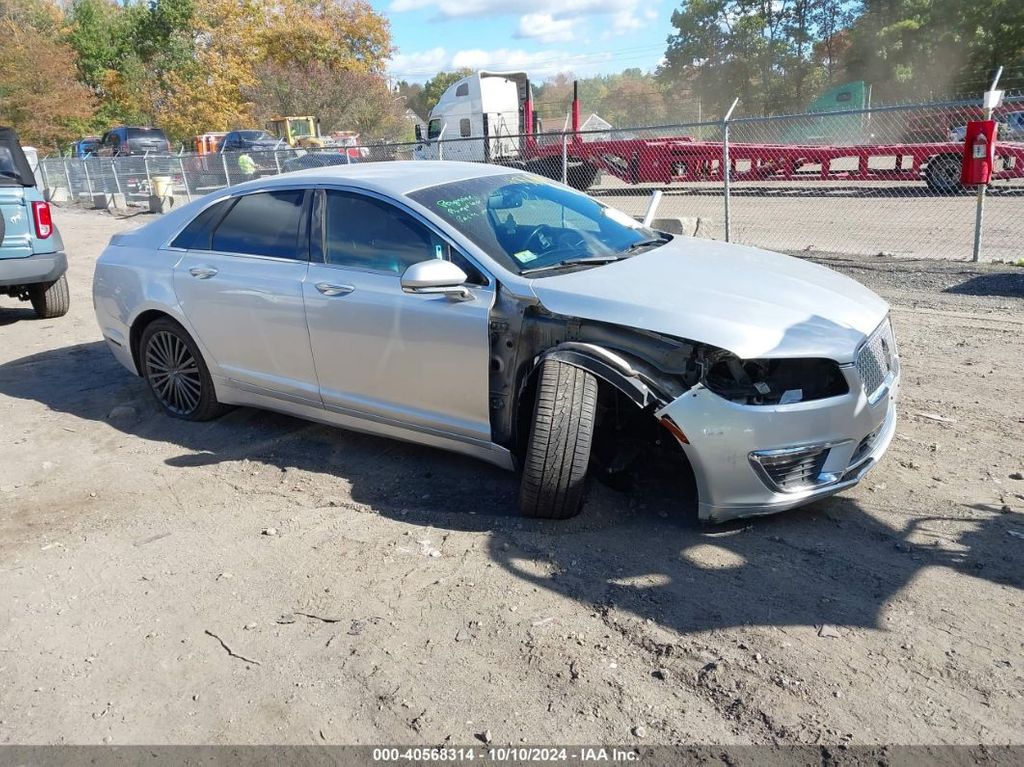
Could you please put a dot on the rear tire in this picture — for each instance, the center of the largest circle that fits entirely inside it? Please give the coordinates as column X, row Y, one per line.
column 561, row 434
column 943, row 175
column 51, row 300
column 177, row 376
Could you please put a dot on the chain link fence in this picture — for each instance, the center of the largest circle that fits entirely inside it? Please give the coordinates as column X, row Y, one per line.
column 866, row 182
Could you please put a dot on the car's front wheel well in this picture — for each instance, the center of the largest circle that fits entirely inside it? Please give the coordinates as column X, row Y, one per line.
column 627, row 433
column 138, row 328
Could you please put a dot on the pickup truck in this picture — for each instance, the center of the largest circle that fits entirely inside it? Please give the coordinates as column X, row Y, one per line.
column 32, row 259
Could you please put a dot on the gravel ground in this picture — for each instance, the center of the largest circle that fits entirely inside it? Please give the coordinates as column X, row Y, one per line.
column 260, row 579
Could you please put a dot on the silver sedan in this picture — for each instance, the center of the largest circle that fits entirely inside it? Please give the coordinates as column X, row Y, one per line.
column 495, row 313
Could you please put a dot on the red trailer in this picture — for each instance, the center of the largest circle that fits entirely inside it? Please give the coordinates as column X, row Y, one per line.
column 683, row 159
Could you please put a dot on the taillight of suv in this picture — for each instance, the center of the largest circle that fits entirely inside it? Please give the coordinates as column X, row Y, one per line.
column 42, row 218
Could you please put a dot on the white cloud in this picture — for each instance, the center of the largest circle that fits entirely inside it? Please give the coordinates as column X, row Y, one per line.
column 426, row 62
column 546, row 28
column 557, row 10
column 423, row 65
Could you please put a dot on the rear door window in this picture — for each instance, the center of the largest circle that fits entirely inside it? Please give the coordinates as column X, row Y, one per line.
column 264, row 224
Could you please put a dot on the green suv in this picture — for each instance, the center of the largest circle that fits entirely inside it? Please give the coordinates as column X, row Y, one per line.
column 32, row 260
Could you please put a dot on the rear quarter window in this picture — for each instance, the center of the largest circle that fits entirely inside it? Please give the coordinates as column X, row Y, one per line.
column 197, row 235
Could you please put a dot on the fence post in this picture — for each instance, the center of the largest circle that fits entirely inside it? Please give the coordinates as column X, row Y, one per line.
column 979, row 213
column 727, row 168
column 113, row 170
column 565, row 159
column 277, row 162
column 149, row 181
column 67, row 175
column 440, row 142
column 224, row 162
column 184, row 179
column 42, row 170
column 88, row 180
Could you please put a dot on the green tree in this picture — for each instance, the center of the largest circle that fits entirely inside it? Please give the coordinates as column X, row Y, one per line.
column 438, row 84
column 413, row 98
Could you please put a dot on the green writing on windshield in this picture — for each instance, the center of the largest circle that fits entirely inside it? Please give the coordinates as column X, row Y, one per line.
column 462, row 209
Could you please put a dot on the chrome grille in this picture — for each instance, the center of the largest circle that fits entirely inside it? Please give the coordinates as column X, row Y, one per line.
column 791, row 470
column 877, row 358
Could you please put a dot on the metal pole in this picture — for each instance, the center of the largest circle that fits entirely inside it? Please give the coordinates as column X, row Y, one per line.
column 440, row 142
column 184, row 179
column 224, row 162
column 67, row 175
column 88, row 181
column 726, row 168
column 113, row 170
column 277, row 162
column 565, row 159
column 149, row 181
column 979, row 213
column 652, row 207
column 46, row 178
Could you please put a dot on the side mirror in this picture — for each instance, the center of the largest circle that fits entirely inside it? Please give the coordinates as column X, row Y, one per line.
column 419, row 132
column 436, row 276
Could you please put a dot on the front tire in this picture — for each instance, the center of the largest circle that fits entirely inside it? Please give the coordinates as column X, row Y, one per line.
column 561, row 435
column 51, row 300
column 174, row 368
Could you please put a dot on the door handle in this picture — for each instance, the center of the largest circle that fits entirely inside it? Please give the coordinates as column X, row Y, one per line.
column 330, row 289
column 202, row 272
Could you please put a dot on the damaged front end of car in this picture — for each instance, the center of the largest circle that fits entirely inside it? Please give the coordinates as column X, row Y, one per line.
column 760, row 435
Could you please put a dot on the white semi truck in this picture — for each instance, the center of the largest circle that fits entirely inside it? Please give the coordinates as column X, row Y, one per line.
column 489, row 117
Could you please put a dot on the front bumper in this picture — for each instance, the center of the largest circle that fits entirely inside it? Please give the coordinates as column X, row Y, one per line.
column 31, row 270
column 723, row 436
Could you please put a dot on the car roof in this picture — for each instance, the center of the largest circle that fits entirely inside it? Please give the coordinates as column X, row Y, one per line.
column 398, row 177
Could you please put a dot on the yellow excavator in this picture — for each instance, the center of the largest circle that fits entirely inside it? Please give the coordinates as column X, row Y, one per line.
column 297, row 131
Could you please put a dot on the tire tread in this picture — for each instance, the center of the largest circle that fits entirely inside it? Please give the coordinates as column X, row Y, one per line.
column 558, row 451
column 51, row 300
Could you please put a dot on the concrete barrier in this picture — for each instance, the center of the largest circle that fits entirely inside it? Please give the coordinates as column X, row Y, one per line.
column 688, row 227
column 158, row 204
column 56, row 194
column 104, row 201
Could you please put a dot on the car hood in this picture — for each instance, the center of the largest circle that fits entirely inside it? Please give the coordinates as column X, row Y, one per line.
column 752, row 302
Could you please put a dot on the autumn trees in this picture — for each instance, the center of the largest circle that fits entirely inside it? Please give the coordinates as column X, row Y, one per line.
column 190, row 66
column 40, row 94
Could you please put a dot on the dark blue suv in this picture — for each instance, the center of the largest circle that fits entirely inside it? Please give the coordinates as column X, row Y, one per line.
column 32, row 260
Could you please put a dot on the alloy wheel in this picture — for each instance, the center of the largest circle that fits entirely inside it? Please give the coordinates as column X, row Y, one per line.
column 173, row 373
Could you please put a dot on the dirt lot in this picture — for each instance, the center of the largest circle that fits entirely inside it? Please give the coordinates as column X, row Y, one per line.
column 400, row 598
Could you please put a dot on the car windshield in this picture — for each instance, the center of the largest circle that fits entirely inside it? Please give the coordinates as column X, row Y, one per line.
column 535, row 227
column 255, row 135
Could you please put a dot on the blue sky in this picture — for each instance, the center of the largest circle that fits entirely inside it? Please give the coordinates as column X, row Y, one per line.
column 542, row 37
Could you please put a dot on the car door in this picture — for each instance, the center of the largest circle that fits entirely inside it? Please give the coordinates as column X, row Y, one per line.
column 419, row 360
column 239, row 284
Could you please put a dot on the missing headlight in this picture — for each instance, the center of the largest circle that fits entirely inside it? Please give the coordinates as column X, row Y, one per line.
column 773, row 381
